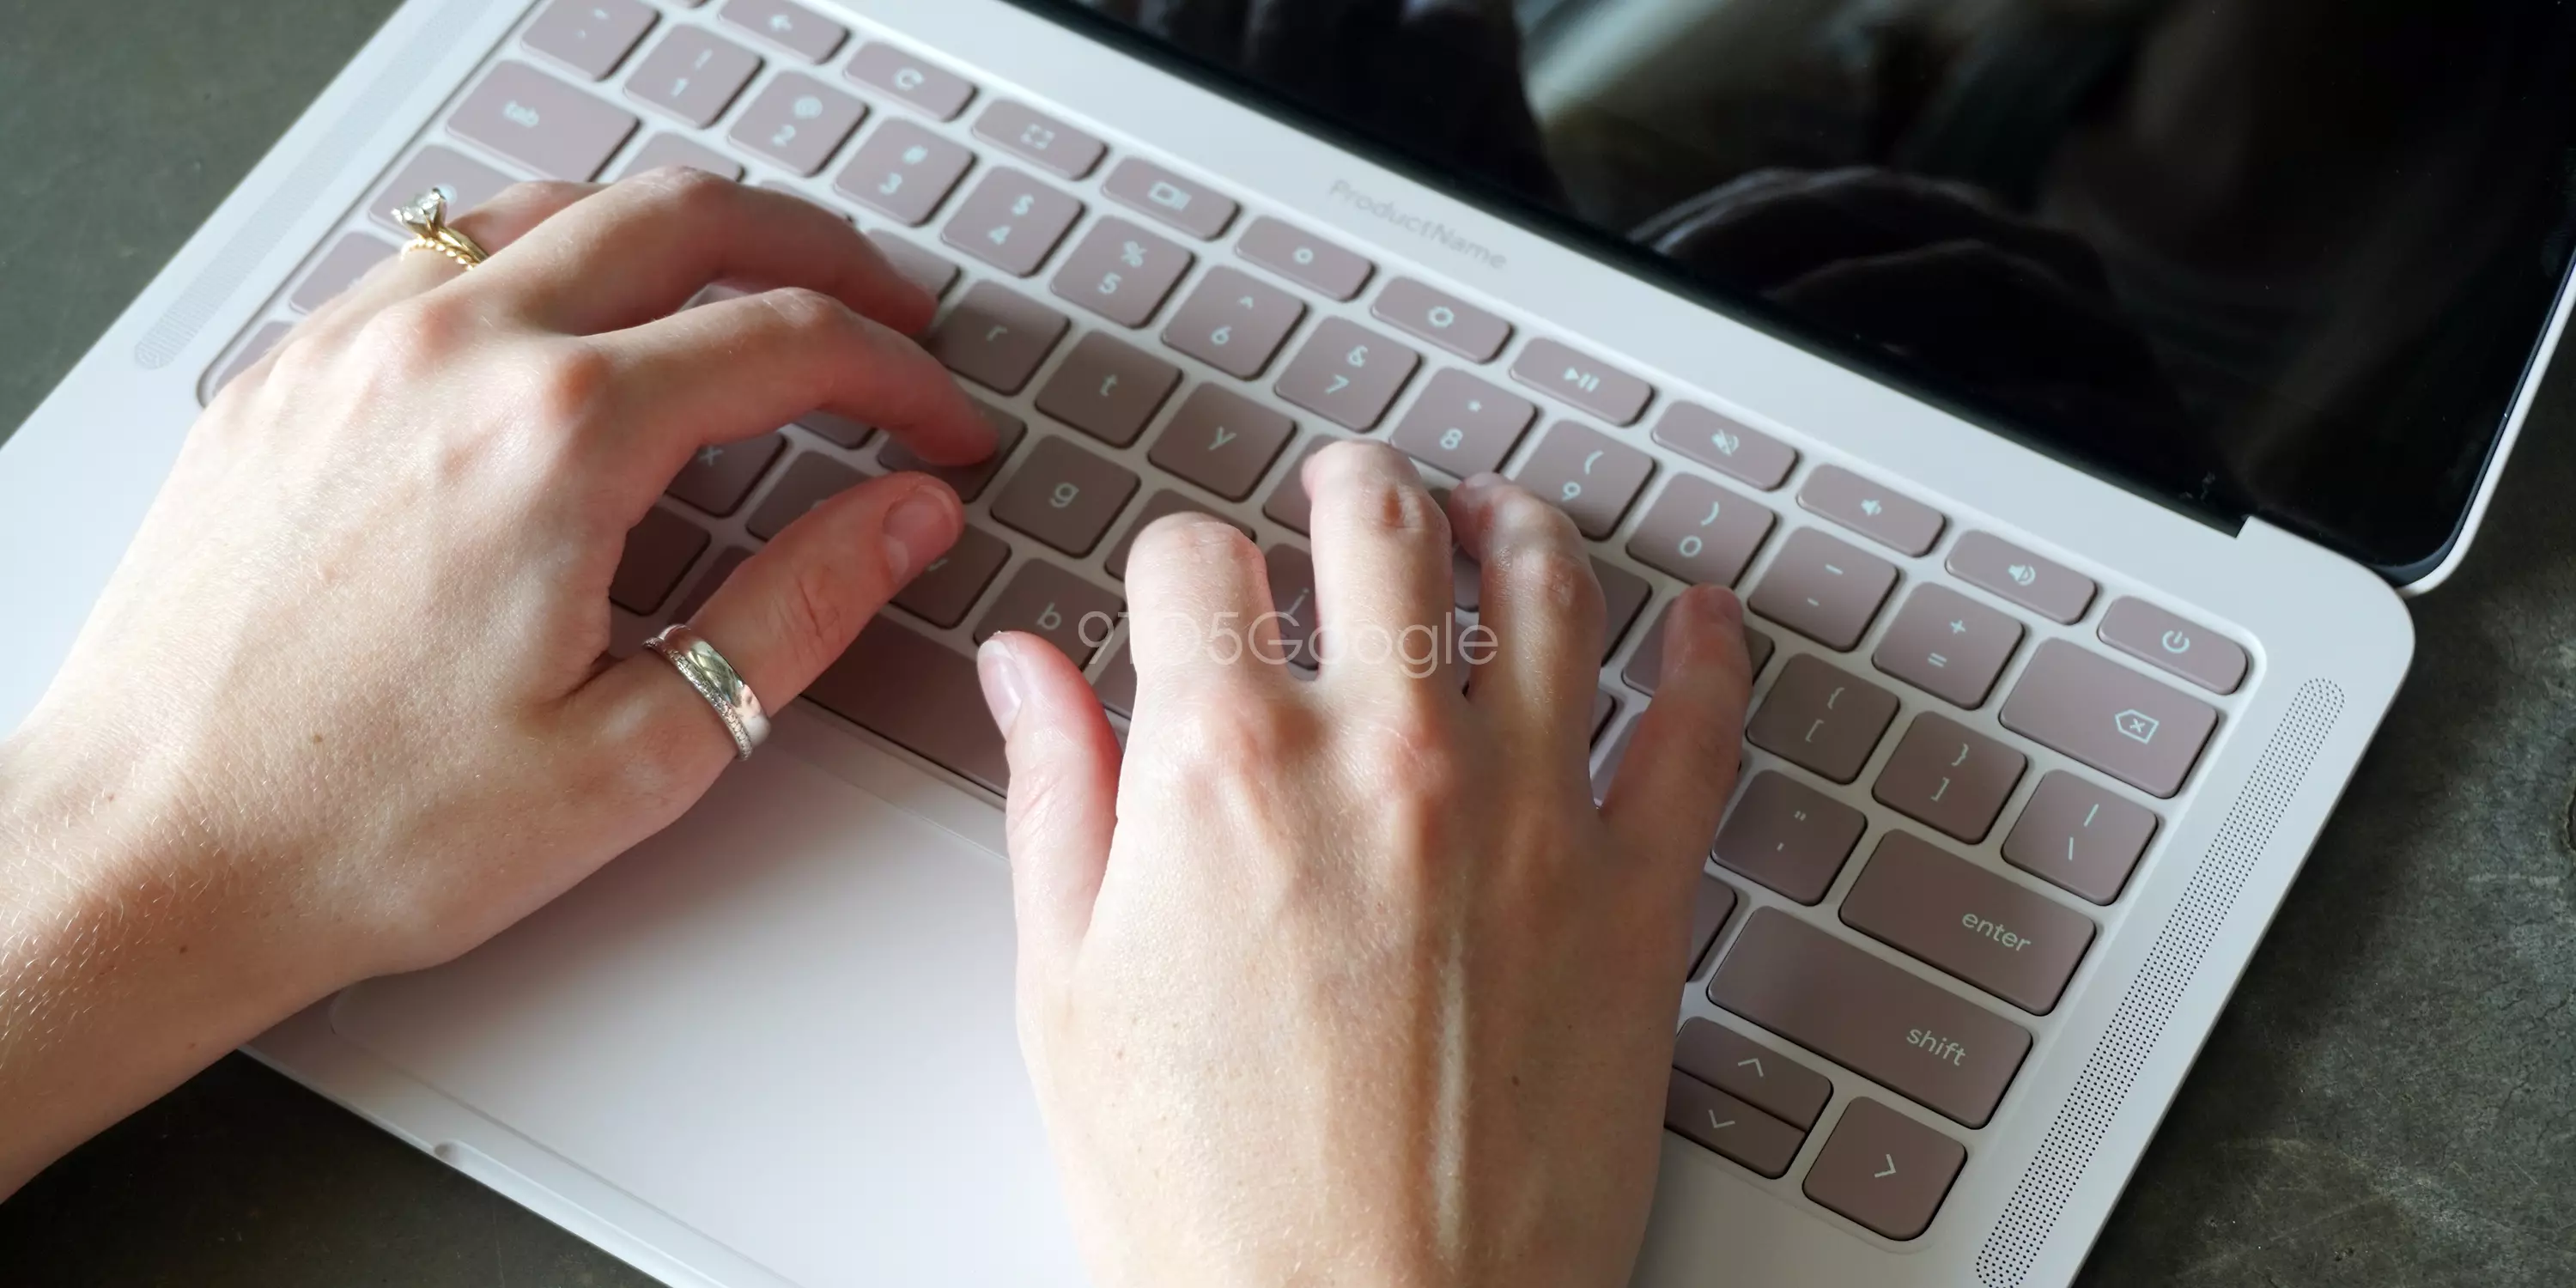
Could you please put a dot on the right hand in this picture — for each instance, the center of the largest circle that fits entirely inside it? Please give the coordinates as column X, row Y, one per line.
column 1350, row 982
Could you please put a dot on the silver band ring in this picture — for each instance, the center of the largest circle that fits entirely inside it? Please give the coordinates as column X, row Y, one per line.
column 714, row 678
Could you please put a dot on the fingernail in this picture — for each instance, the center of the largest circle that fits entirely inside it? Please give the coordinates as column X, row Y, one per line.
column 917, row 529
column 999, row 670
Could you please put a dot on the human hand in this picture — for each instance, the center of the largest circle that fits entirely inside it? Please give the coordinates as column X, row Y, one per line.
column 346, row 707
column 1350, row 982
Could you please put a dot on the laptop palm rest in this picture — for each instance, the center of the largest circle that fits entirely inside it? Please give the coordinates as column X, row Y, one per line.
column 789, row 1012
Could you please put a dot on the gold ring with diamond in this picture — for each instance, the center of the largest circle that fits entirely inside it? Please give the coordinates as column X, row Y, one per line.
column 427, row 221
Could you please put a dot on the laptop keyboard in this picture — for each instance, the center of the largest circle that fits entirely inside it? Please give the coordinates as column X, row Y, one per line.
column 1146, row 345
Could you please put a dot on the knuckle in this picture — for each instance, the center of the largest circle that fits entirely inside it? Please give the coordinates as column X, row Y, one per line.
column 817, row 612
column 1236, row 736
column 1555, row 577
column 801, row 308
column 686, row 190
column 1191, row 540
column 567, row 383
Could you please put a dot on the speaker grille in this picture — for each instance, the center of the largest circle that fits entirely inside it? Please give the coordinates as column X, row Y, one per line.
column 178, row 327
column 2103, row 1086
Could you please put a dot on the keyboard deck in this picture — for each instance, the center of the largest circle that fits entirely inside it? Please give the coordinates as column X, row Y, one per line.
column 1961, row 751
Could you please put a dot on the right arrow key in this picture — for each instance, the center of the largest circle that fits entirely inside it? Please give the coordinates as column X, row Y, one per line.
column 1885, row 1170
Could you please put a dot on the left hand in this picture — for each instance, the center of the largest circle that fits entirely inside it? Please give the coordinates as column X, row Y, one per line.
column 347, row 709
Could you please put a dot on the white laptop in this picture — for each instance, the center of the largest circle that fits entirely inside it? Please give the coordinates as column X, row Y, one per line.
column 2072, row 393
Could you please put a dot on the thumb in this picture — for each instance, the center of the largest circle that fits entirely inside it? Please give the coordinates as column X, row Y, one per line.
column 1064, row 789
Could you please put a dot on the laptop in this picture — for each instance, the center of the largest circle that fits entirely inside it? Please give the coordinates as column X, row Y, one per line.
column 2072, row 391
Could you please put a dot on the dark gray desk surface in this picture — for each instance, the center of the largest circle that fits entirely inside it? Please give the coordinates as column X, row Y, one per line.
column 2390, row 1100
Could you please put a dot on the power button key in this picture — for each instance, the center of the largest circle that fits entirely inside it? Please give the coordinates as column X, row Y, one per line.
column 2175, row 645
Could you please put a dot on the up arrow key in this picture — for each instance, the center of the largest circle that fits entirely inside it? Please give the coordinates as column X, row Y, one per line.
column 1756, row 1062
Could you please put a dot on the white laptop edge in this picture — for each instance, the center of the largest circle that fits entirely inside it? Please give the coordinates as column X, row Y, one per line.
column 2313, row 617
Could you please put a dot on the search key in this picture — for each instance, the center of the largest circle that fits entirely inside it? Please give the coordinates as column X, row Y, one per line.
column 2172, row 644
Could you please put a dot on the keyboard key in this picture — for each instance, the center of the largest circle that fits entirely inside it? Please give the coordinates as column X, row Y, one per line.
column 944, row 591
column 1710, row 908
column 1292, row 600
column 2012, row 942
column 1042, row 140
column 1715, row 1120
column 540, row 122
column 1463, row 426
column 1701, row 533
column 1744, row 454
column 1603, row 708
column 589, row 36
column 1289, row 506
column 798, row 122
column 811, row 479
column 1948, row 776
column 1348, row 374
column 1165, row 502
column 792, row 27
column 1183, row 203
column 347, row 261
column 1588, row 474
column 1822, row 720
column 1108, row 389
column 1824, row 589
column 1646, row 666
column 721, row 475
column 1056, row 606
column 1789, row 836
column 1012, row 222
column 1065, row 497
column 1623, row 596
column 840, row 431
column 257, row 347
column 1222, row 441
column 925, row 269
column 997, row 337
column 1583, row 383
column 1116, row 683
column 1948, row 645
column 1885, row 1171
column 709, row 582
column 2174, row 645
column 1234, row 323
column 1752, row 1072
column 692, row 75
column 2080, row 837
column 938, row 94
column 920, row 695
column 968, row 481
column 2110, row 717
column 1908, row 527
column 1122, row 272
column 1993, row 564
column 1317, row 265
column 467, row 182
column 671, row 149
column 903, row 172
column 1852, row 1008
column 1427, row 313
column 658, row 553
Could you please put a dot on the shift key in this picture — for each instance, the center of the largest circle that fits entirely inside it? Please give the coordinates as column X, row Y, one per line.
column 1855, row 1009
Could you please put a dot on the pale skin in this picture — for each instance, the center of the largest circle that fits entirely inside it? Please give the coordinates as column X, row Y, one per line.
column 348, row 708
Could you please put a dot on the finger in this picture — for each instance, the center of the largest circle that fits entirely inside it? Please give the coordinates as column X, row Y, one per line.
column 1199, row 615
column 644, row 247
column 1680, row 769
column 496, row 225
column 793, row 608
column 1382, row 567
column 1542, row 602
column 1064, row 792
column 744, row 366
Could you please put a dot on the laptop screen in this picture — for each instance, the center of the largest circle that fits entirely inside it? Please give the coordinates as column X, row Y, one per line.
column 2287, row 258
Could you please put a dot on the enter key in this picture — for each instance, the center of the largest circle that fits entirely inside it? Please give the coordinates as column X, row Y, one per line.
column 2012, row 942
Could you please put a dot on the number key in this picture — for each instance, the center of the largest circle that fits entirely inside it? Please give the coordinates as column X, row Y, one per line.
column 1700, row 532
column 903, row 172
column 1348, row 374
column 798, row 122
column 1463, row 425
column 1012, row 222
column 1589, row 475
column 1234, row 323
column 1122, row 272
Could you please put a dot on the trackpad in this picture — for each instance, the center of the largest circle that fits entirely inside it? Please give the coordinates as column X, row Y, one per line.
column 786, row 1023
